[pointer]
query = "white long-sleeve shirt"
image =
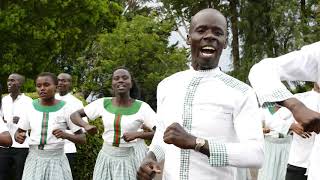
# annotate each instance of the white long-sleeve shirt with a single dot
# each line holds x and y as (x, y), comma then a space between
(17, 108)
(266, 76)
(213, 106)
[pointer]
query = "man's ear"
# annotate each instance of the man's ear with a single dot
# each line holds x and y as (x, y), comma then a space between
(225, 43)
(188, 39)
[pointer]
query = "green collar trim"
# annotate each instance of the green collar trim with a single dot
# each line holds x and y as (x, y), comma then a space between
(36, 104)
(272, 109)
(133, 109)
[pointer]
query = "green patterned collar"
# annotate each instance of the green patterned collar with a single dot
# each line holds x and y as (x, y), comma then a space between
(134, 108)
(36, 104)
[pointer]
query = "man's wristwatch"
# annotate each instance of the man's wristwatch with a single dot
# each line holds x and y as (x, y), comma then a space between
(200, 142)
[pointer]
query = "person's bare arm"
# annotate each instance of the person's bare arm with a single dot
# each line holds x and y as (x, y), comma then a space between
(309, 119)
(129, 136)
(78, 137)
(76, 118)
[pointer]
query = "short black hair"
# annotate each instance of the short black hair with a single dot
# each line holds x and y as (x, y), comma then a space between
(135, 90)
(51, 75)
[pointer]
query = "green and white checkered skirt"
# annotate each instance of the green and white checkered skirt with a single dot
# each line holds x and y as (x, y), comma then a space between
(243, 174)
(276, 158)
(46, 165)
(140, 150)
(115, 163)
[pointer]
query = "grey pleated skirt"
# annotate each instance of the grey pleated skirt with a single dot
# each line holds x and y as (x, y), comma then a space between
(46, 165)
(115, 163)
(140, 150)
(243, 174)
(276, 158)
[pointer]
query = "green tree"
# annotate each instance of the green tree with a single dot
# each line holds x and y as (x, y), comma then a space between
(42, 35)
(142, 46)
(260, 28)
(272, 28)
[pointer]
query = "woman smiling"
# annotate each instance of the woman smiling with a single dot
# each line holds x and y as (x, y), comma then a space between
(122, 116)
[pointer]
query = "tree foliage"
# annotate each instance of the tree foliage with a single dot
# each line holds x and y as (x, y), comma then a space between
(89, 38)
(263, 28)
(273, 28)
(140, 44)
(42, 35)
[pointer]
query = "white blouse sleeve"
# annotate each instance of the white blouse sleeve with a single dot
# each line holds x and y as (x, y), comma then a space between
(68, 111)
(94, 109)
(149, 116)
(266, 76)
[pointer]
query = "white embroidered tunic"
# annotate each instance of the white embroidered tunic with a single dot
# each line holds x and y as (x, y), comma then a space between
(17, 108)
(213, 106)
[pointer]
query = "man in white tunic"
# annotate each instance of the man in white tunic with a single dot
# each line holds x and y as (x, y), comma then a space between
(208, 122)
(13, 108)
(64, 93)
(303, 65)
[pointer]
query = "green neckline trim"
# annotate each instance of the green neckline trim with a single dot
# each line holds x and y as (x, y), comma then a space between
(272, 109)
(36, 104)
(133, 109)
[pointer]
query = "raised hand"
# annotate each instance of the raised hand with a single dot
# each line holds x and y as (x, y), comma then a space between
(176, 135)
(148, 169)
(299, 130)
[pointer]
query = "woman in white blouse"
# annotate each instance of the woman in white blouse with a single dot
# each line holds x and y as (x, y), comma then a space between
(47, 119)
(122, 116)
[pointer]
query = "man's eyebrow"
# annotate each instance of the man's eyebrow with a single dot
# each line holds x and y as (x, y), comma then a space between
(200, 26)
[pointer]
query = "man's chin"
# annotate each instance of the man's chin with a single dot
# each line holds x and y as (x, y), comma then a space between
(207, 64)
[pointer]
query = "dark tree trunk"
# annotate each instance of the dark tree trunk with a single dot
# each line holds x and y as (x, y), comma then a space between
(235, 33)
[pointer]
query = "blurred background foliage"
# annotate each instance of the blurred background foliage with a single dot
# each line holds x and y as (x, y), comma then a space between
(90, 38)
